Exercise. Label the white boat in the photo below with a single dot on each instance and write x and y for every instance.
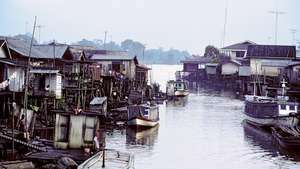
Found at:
(177, 88)
(113, 160)
(143, 116)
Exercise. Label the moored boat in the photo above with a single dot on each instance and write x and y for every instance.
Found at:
(271, 112)
(287, 137)
(143, 116)
(112, 160)
(267, 111)
(177, 88)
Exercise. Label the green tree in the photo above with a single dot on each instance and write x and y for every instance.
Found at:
(211, 51)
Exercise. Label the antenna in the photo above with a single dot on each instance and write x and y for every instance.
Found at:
(104, 43)
(276, 13)
(144, 48)
(26, 27)
(225, 24)
(293, 32)
(40, 29)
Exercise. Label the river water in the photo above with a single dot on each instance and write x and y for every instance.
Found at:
(204, 131)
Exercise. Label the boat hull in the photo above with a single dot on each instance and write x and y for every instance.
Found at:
(273, 121)
(181, 93)
(140, 122)
(289, 142)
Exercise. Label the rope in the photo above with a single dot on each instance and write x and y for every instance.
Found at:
(23, 143)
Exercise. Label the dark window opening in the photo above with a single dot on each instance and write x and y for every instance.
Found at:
(240, 54)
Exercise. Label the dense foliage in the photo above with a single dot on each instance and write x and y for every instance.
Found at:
(135, 48)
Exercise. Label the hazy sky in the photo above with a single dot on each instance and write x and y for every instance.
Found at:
(183, 24)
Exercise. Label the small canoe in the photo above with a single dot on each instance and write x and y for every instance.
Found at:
(113, 160)
(285, 138)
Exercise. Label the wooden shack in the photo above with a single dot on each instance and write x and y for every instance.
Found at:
(269, 60)
(77, 129)
(47, 83)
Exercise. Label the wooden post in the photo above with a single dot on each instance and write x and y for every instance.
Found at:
(103, 156)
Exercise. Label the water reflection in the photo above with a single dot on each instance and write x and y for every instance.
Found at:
(177, 102)
(262, 138)
(203, 132)
(142, 137)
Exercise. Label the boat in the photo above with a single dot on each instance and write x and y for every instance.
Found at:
(143, 115)
(268, 112)
(112, 160)
(287, 137)
(271, 112)
(177, 88)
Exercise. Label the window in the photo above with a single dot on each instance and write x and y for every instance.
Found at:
(240, 54)
(282, 107)
(292, 107)
(89, 129)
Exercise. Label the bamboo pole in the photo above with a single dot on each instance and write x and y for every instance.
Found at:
(27, 79)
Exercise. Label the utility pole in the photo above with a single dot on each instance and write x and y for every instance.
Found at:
(225, 24)
(40, 30)
(293, 32)
(276, 13)
(27, 79)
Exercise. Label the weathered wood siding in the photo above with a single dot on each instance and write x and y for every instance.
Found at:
(268, 67)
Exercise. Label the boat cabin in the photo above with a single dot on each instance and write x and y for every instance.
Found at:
(288, 108)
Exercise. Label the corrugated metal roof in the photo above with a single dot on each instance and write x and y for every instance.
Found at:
(21, 47)
(11, 62)
(111, 57)
(271, 51)
(44, 71)
(197, 60)
(48, 50)
(240, 46)
(98, 100)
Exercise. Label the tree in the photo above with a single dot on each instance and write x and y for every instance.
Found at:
(26, 38)
(211, 51)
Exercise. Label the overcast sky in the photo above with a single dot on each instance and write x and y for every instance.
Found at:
(182, 24)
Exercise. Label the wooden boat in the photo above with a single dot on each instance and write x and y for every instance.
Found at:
(271, 112)
(177, 88)
(287, 137)
(143, 116)
(267, 111)
(112, 160)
